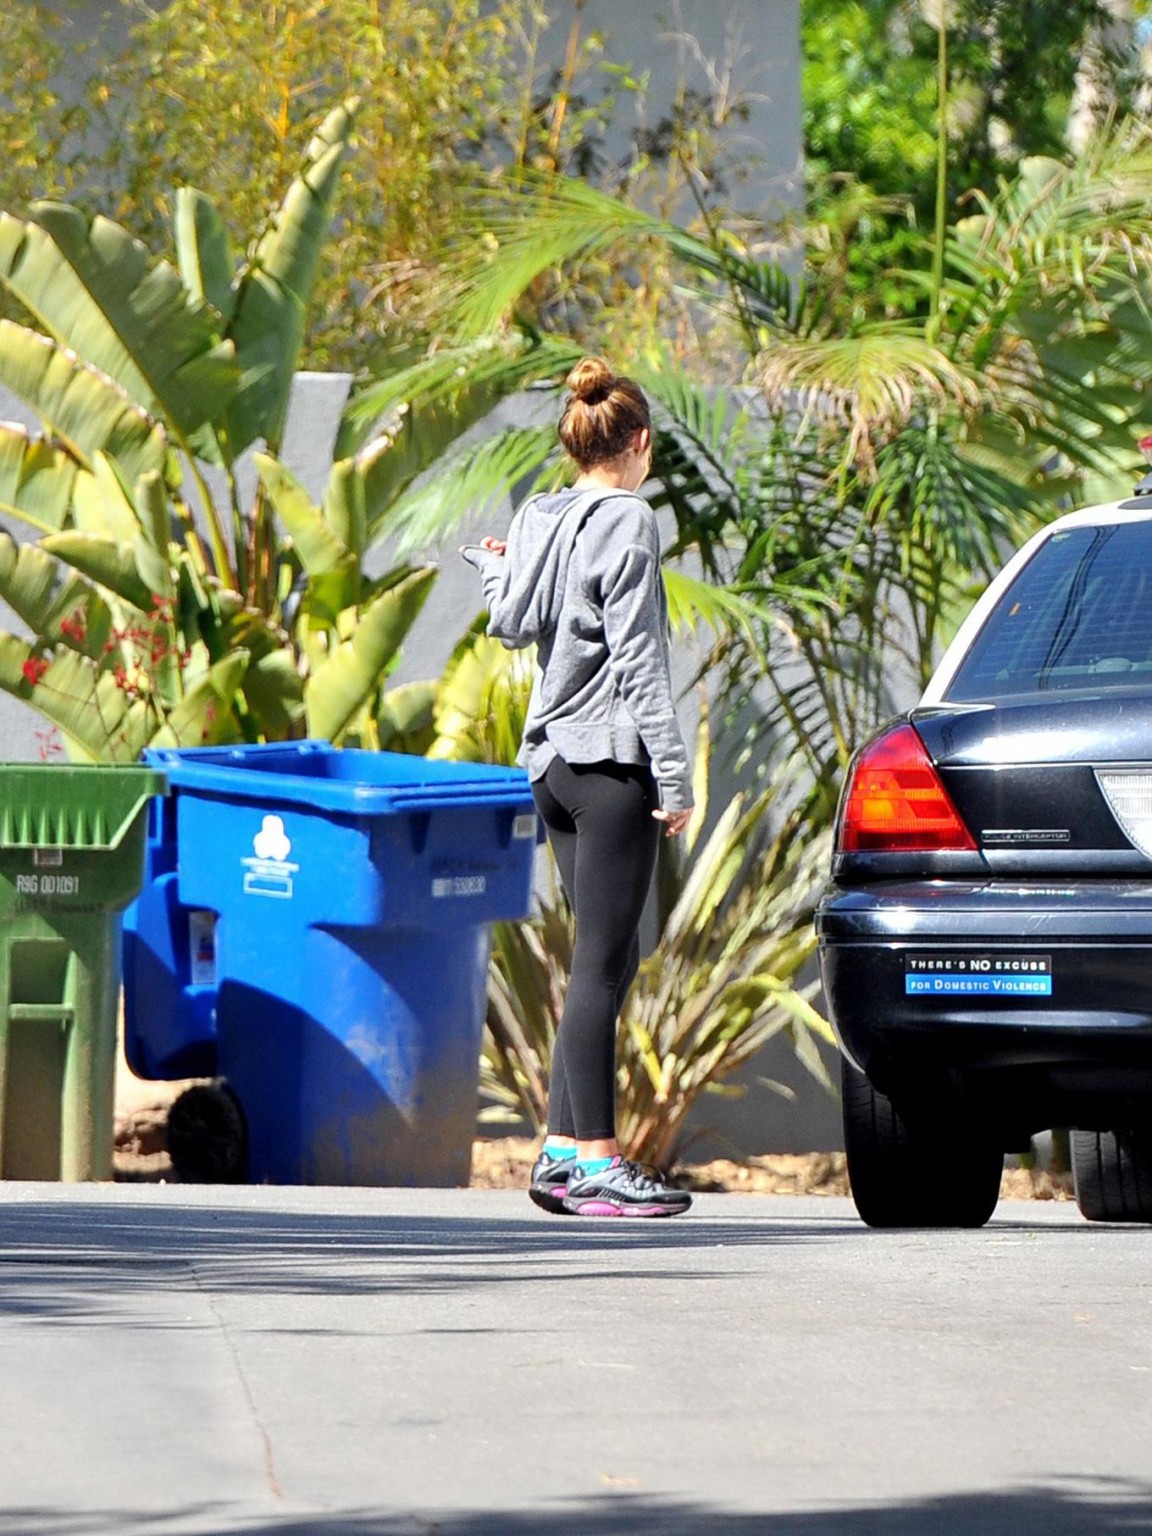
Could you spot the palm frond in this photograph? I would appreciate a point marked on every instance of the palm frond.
(470, 379)
(873, 383)
(464, 484)
(543, 223)
(693, 603)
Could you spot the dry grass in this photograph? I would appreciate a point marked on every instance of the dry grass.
(505, 1164)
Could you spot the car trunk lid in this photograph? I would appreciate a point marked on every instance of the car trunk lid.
(1050, 784)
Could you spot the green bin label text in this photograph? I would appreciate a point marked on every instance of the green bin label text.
(48, 885)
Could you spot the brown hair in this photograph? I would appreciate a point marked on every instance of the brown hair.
(601, 413)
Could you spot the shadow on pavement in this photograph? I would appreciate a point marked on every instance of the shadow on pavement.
(92, 1249)
(69, 1257)
(1074, 1508)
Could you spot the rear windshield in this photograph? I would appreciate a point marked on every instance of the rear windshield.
(1079, 615)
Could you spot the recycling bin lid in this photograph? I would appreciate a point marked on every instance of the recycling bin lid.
(349, 781)
(84, 807)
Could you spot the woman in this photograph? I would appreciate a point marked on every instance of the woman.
(580, 577)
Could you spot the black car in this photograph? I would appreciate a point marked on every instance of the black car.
(986, 943)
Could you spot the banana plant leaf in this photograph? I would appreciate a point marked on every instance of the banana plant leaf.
(97, 719)
(418, 439)
(99, 291)
(274, 692)
(37, 478)
(78, 404)
(14, 652)
(344, 683)
(45, 596)
(275, 290)
(203, 252)
(404, 722)
(150, 545)
(102, 503)
(332, 568)
(483, 702)
(345, 507)
(107, 562)
(403, 425)
(206, 715)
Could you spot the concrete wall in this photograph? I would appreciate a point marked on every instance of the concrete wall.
(745, 51)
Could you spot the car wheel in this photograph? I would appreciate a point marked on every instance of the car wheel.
(1112, 1172)
(207, 1135)
(921, 1178)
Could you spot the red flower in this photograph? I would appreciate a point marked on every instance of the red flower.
(34, 669)
(49, 744)
(74, 627)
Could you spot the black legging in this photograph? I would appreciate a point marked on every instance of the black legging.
(600, 824)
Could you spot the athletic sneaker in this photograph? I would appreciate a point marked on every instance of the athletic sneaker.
(623, 1189)
(549, 1180)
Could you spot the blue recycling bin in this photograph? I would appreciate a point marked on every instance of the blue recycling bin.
(315, 929)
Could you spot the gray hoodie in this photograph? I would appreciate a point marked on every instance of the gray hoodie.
(581, 578)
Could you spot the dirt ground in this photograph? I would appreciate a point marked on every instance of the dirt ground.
(504, 1164)
(142, 1108)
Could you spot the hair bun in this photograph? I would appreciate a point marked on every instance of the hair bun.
(592, 380)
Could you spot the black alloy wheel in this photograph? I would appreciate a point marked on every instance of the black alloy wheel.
(1112, 1173)
(945, 1177)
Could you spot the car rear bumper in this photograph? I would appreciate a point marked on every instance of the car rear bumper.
(1031, 1003)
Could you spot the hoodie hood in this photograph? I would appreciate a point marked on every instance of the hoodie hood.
(539, 557)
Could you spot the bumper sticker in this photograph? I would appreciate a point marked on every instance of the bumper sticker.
(953, 975)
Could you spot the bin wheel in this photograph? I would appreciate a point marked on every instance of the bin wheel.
(208, 1135)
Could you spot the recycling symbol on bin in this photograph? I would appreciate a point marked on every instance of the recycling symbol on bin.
(272, 842)
(270, 873)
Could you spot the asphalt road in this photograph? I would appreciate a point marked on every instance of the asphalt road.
(378, 1362)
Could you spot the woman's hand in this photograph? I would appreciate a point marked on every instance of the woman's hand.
(675, 821)
(490, 545)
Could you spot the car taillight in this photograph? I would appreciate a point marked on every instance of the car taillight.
(895, 801)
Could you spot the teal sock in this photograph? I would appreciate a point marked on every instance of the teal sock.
(596, 1164)
(558, 1150)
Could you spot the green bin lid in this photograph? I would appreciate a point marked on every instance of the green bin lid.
(53, 805)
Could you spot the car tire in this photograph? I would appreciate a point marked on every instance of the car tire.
(207, 1135)
(1112, 1174)
(905, 1178)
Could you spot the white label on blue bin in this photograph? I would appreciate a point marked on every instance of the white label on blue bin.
(202, 948)
(459, 885)
(524, 826)
(270, 873)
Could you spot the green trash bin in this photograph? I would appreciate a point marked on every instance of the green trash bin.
(71, 860)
